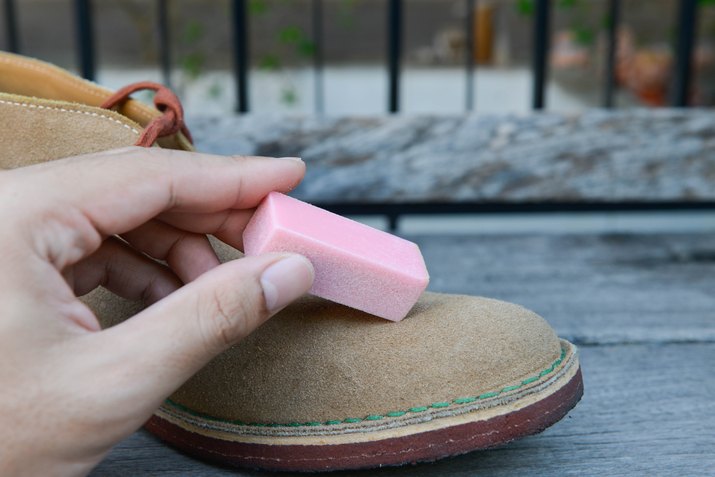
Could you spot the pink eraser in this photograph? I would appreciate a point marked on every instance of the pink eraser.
(355, 265)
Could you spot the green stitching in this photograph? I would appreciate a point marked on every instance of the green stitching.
(377, 417)
(464, 400)
(440, 404)
(489, 395)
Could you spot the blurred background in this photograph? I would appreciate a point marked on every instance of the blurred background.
(365, 57)
(439, 92)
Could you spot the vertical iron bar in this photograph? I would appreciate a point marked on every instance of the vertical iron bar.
(687, 16)
(318, 56)
(393, 221)
(541, 51)
(13, 42)
(469, 51)
(394, 53)
(162, 26)
(240, 53)
(85, 38)
(614, 18)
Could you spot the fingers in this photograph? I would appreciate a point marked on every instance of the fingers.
(187, 254)
(94, 196)
(125, 272)
(175, 337)
(227, 225)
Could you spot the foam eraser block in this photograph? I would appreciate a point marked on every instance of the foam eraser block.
(355, 265)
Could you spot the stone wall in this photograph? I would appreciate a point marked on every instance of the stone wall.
(637, 155)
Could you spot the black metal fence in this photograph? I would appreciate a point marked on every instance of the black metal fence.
(86, 54)
(240, 18)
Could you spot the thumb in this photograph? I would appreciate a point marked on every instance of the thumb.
(168, 342)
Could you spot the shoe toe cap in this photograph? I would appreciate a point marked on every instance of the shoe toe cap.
(317, 361)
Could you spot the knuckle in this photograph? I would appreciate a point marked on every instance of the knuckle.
(227, 316)
(224, 223)
(188, 241)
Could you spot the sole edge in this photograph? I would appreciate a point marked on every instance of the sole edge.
(414, 448)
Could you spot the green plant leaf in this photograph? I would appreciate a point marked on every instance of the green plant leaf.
(215, 91)
(270, 63)
(584, 35)
(525, 7)
(306, 48)
(291, 34)
(345, 13)
(606, 21)
(257, 7)
(193, 32)
(567, 3)
(289, 96)
(192, 64)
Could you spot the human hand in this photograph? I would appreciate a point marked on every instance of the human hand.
(69, 391)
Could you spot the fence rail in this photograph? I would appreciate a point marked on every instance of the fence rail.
(240, 18)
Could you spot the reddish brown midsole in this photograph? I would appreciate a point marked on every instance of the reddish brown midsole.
(425, 446)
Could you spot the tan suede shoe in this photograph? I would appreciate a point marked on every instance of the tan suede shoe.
(319, 386)
(322, 387)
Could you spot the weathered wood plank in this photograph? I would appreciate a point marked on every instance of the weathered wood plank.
(597, 289)
(648, 407)
(647, 410)
(610, 156)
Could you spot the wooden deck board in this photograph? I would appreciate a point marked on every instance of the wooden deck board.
(647, 410)
(643, 309)
(599, 289)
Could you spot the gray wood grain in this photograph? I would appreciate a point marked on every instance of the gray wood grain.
(647, 410)
(653, 155)
(643, 309)
(595, 289)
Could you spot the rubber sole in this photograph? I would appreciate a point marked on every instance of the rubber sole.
(492, 424)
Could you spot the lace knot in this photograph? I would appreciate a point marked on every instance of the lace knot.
(170, 122)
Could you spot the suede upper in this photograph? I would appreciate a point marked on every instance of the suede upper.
(319, 361)
(34, 130)
(38, 82)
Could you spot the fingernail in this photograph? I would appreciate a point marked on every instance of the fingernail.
(296, 159)
(286, 280)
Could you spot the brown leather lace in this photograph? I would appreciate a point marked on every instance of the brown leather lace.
(170, 122)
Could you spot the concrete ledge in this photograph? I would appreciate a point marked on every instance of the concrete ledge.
(604, 156)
